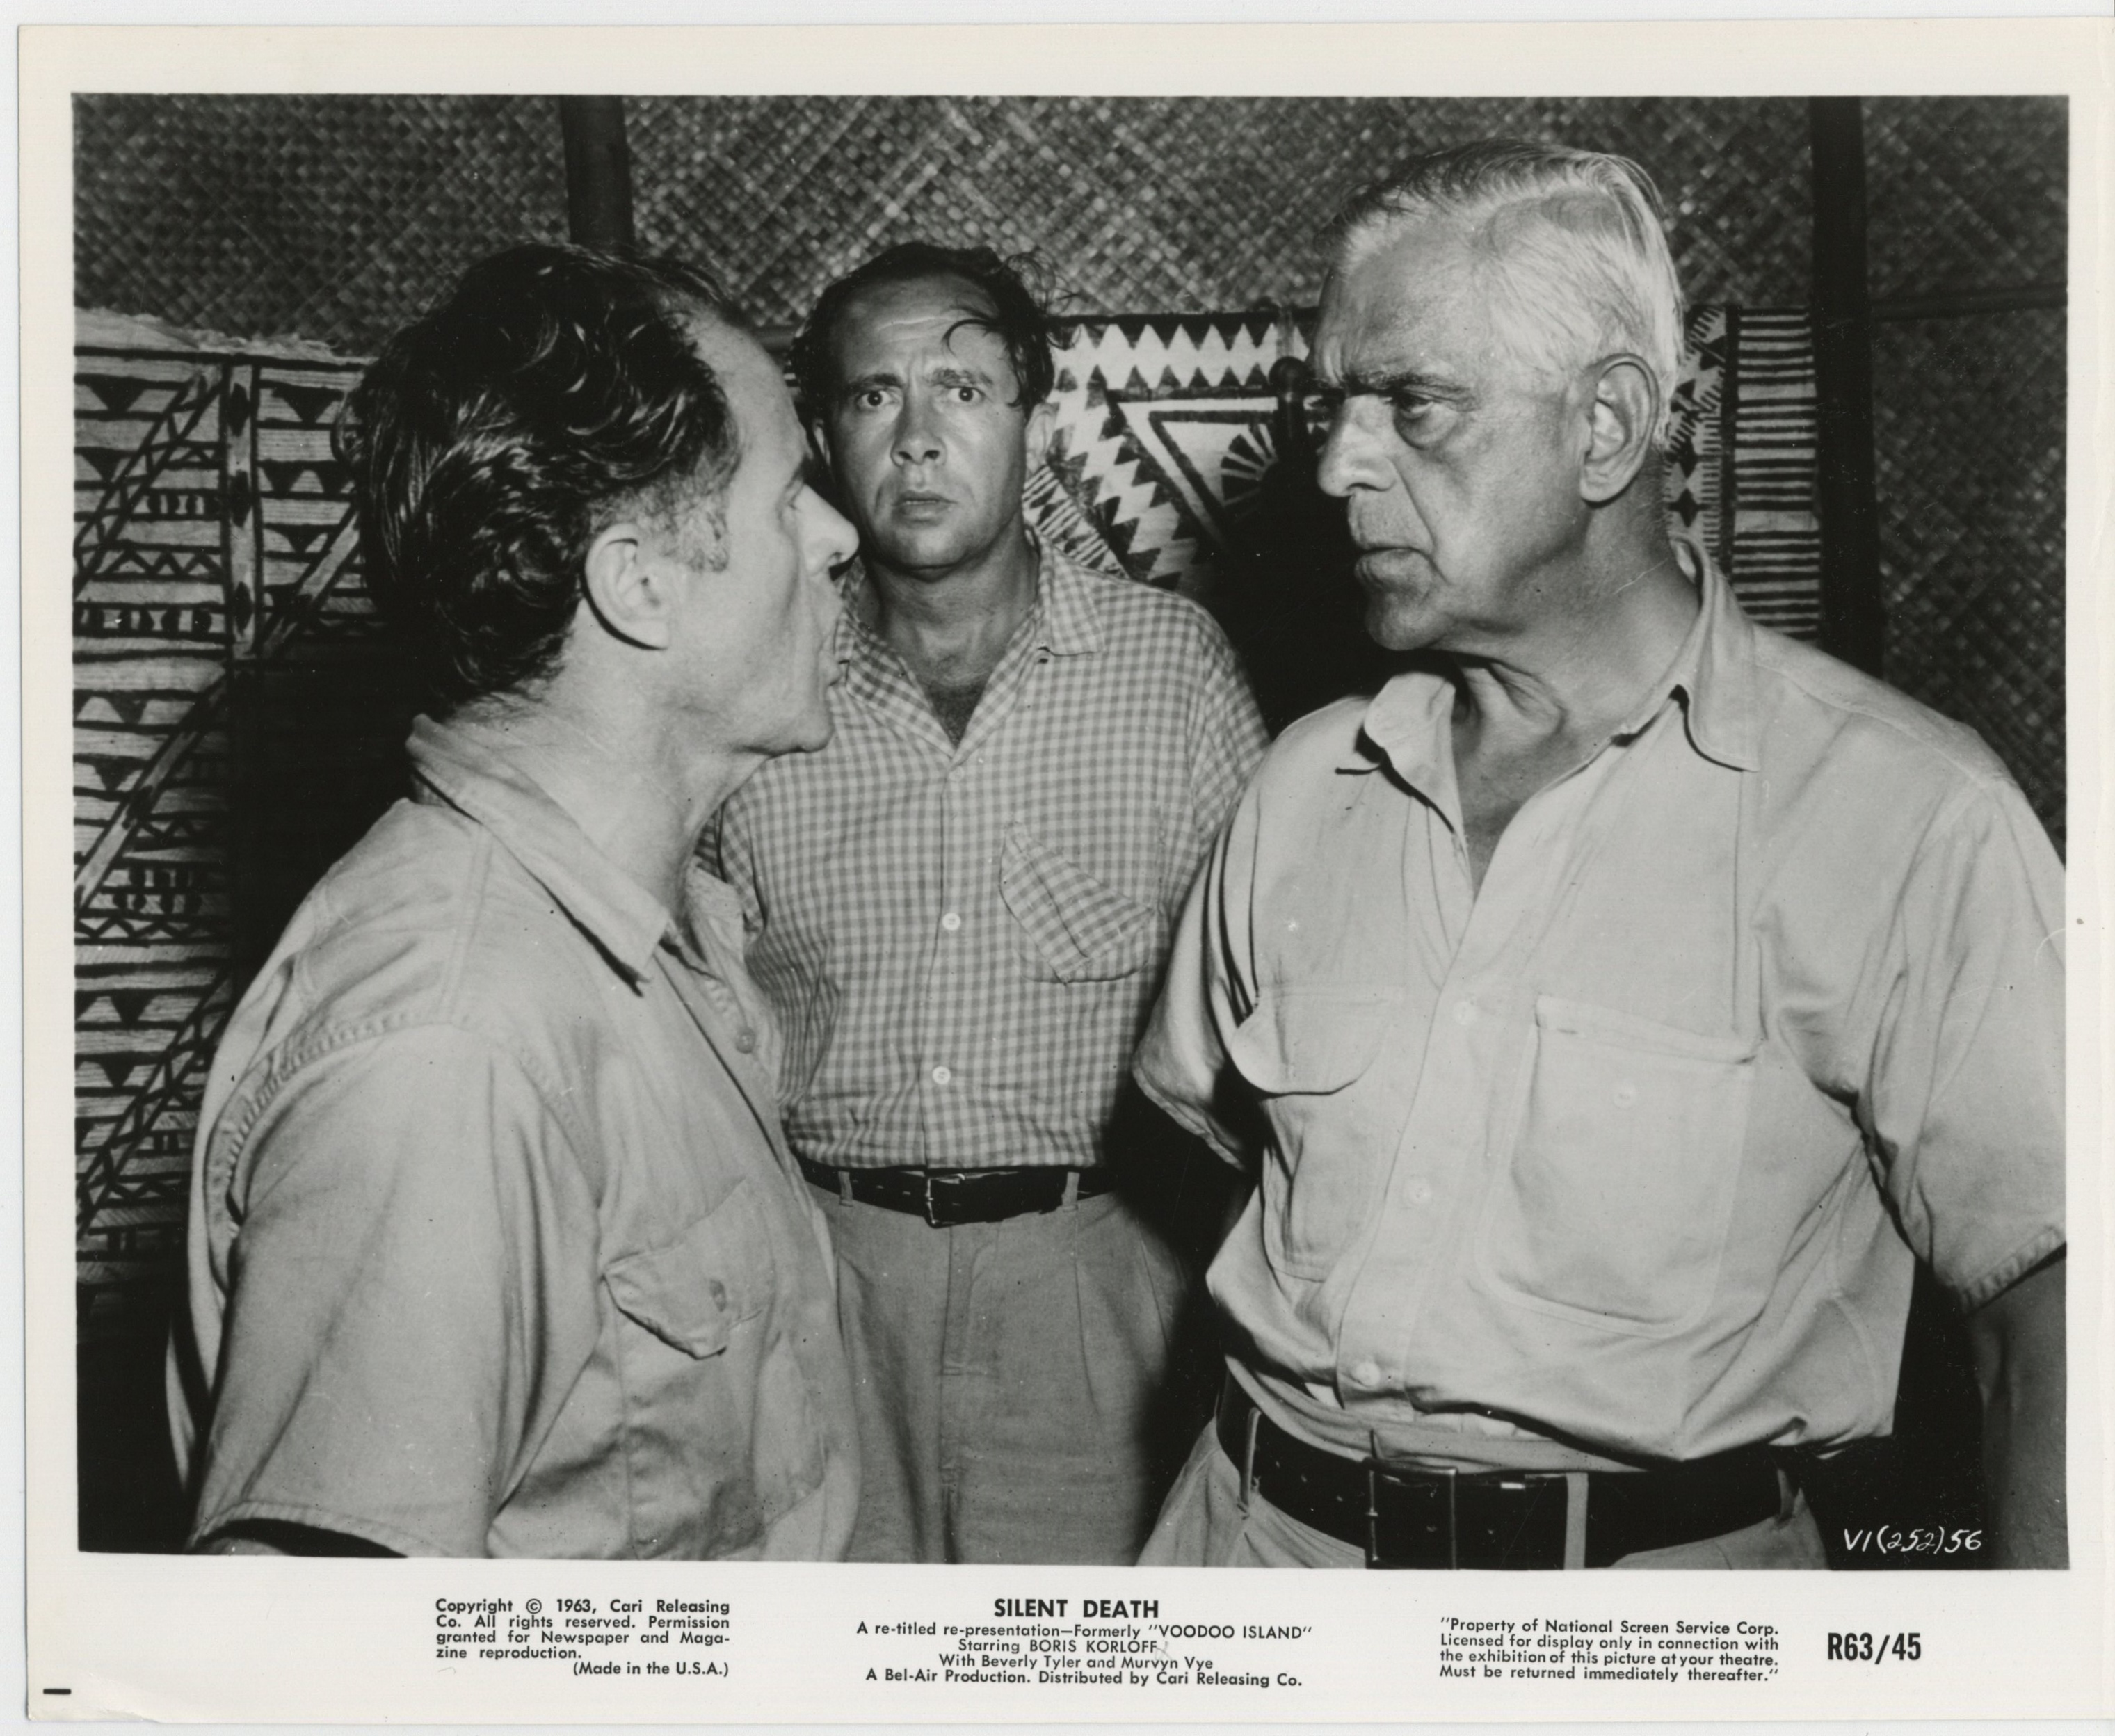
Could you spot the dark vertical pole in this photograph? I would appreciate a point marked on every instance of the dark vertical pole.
(1288, 380)
(598, 172)
(1852, 625)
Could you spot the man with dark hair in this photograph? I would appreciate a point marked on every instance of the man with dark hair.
(1618, 1006)
(961, 908)
(496, 1248)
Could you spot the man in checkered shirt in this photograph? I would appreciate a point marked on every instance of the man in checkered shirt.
(961, 909)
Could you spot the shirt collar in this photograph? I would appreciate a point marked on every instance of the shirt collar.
(461, 763)
(1715, 670)
(1713, 675)
(1066, 624)
(1062, 620)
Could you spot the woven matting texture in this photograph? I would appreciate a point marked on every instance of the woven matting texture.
(1965, 192)
(340, 217)
(1973, 573)
(1970, 193)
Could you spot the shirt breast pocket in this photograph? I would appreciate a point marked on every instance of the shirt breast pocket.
(1614, 1210)
(1073, 927)
(719, 1434)
(1305, 1054)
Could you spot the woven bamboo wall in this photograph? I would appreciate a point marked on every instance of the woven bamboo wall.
(1968, 421)
(338, 217)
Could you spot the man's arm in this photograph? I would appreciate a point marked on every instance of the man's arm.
(269, 1537)
(1967, 1107)
(2016, 1340)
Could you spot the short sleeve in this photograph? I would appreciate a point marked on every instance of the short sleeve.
(402, 1317)
(1965, 1104)
(1182, 1064)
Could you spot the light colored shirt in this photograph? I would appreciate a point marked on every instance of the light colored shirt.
(495, 1245)
(963, 939)
(1613, 1150)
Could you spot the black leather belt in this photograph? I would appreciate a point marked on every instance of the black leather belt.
(1403, 1516)
(946, 1197)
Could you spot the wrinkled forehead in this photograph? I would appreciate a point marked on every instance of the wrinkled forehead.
(915, 315)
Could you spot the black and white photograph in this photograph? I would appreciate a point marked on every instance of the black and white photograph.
(1055, 832)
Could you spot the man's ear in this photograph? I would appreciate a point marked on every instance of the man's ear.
(1042, 424)
(628, 588)
(1622, 424)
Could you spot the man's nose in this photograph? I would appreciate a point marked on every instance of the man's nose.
(836, 540)
(1350, 456)
(917, 439)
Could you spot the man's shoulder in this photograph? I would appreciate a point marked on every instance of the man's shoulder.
(1142, 617)
(426, 925)
(1313, 747)
(387, 913)
(1818, 708)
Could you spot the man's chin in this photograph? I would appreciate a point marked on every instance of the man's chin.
(1395, 625)
(817, 734)
(914, 548)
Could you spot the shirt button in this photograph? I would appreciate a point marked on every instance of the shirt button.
(942, 1075)
(1366, 1373)
(952, 921)
(1421, 1193)
(744, 1040)
(1465, 1014)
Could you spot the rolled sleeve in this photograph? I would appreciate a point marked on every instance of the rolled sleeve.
(1966, 1103)
(396, 1324)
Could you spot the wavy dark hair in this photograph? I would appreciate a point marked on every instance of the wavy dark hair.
(1018, 287)
(551, 390)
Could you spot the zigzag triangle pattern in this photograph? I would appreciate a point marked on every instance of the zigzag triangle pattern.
(1104, 366)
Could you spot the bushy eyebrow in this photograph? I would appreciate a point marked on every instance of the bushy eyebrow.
(868, 382)
(1392, 382)
(943, 376)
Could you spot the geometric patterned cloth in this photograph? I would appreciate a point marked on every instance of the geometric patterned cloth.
(236, 726)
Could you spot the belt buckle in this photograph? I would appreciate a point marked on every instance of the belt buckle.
(942, 1189)
(1379, 1471)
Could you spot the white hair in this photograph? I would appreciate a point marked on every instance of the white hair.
(1567, 247)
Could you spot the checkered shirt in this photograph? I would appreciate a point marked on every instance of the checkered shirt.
(963, 941)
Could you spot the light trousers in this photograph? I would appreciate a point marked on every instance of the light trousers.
(1013, 1381)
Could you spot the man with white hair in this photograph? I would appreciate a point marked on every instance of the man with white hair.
(1617, 1006)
